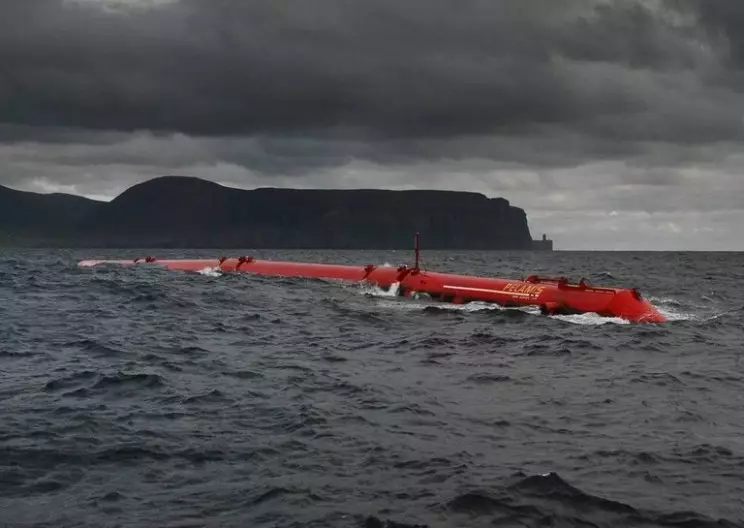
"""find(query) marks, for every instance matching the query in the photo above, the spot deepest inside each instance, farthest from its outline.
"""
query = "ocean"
(145, 397)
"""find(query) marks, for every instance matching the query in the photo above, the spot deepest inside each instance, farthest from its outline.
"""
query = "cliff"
(174, 211)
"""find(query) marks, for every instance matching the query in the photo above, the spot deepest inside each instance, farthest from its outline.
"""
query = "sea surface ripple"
(143, 397)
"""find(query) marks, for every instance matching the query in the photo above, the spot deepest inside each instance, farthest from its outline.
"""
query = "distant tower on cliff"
(543, 245)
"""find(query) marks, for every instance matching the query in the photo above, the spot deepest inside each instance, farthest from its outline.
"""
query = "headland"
(188, 212)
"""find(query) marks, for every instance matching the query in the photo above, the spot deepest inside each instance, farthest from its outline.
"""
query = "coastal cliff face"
(172, 211)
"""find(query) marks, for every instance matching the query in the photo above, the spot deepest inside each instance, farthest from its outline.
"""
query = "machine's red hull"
(553, 296)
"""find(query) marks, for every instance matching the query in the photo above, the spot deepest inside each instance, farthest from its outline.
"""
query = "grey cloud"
(423, 68)
(642, 231)
(722, 21)
(298, 157)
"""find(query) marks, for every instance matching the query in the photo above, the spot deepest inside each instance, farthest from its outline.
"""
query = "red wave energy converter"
(554, 296)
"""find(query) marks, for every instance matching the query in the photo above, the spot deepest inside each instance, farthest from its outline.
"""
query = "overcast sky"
(614, 124)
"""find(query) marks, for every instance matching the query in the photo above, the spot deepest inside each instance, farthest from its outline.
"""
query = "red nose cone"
(630, 305)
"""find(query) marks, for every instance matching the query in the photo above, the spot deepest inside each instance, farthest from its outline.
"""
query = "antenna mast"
(416, 251)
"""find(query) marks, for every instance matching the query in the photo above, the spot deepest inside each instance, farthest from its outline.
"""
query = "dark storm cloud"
(722, 20)
(384, 69)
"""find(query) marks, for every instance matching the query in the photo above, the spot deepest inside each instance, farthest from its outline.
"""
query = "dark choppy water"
(141, 397)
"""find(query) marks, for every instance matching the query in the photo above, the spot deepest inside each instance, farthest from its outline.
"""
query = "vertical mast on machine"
(416, 251)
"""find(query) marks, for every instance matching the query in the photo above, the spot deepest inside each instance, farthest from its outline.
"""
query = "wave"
(548, 500)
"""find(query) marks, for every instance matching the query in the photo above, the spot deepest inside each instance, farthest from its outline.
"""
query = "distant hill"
(186, 212)
(32, 217)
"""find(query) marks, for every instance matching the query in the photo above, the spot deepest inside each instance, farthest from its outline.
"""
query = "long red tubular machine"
(554, 296)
